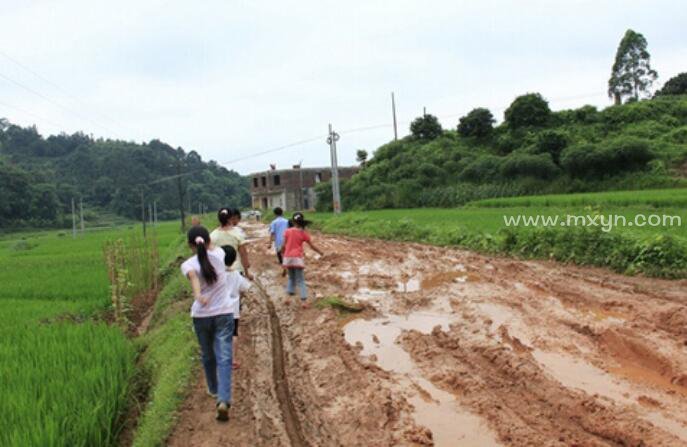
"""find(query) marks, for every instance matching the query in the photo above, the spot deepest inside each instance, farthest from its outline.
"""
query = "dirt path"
(453, 348)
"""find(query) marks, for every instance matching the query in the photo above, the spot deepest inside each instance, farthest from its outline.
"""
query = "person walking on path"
(294, 256)
(212, 313)
(236, 284)
(227, 234)
(277, 228)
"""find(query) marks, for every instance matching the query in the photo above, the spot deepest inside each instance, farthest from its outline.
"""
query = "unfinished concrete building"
(292, 189)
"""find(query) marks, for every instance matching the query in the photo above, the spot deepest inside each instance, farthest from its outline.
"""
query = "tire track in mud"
(292, 424)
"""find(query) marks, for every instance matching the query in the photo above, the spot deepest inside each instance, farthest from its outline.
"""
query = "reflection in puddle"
(434, 408)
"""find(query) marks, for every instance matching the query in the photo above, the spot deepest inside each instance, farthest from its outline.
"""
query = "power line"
(26, 112)
(52, 101)
(54, 85)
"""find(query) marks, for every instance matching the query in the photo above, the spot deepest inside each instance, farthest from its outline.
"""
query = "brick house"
(291, 189)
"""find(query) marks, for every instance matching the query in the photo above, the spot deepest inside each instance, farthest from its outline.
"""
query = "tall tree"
(631, 74)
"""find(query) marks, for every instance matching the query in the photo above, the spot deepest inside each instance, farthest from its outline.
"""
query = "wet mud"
(454, 349)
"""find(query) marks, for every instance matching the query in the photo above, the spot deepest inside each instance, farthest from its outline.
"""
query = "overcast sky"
(230, 79)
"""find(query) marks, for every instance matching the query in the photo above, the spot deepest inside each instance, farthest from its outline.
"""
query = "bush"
(551, 142)
(426, 128)
(677, 85)
(478, 123)
(483, 168)
(528, 110)
(586, 114)
(526, 165)
(621, 154)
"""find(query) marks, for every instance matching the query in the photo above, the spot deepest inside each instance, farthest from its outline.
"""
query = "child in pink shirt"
(294, 256)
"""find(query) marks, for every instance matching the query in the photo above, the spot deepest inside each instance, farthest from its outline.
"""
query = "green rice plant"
(657, 198)
(62, 383)
(64, 378)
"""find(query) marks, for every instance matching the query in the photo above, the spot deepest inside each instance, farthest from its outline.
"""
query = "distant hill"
(40, 176)
(533, 151)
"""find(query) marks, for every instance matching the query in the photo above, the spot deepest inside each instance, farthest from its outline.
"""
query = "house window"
(318, 177)
(276, 180)
(264, 181)
(255, 182)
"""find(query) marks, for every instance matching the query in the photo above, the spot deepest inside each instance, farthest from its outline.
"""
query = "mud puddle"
(576, 373)
(435, 409)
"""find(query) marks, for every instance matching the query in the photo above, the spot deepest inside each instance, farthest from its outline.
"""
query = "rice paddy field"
(481, 226)
(66, 375)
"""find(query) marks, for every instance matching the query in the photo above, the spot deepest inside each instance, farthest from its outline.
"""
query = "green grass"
(656, 251)
(656, 198)
(65, 380)
(169, 356)
(339, 304)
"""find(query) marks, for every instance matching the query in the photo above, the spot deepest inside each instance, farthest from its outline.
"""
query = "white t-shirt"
(236, 283)
(220, 302)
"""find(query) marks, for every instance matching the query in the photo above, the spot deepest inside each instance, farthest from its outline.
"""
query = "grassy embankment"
(653, 251)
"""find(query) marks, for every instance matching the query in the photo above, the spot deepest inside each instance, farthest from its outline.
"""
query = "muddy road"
(452, 349)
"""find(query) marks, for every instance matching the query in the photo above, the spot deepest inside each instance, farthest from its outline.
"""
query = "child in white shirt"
(236, 283)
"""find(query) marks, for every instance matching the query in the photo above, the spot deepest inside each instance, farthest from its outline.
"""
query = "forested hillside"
(40, 176)
(636, 145)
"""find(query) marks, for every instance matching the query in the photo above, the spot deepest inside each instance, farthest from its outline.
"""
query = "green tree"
(530, 109)
(631, 74)
(361, 156)
(478, 123)
(677, 85)
(426, 127)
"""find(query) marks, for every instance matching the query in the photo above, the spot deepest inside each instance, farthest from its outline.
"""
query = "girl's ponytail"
(200, 238)
(223, 215)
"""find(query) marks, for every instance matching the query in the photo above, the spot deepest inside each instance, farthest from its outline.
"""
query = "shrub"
(528, 110)
(483, 168)
(551, 142)
(677, 85)
(478, 123)
(426, 127)
(586, 114)
(526, 165)
(621, 154)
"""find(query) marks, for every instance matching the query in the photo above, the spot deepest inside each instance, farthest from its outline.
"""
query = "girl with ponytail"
(212, 313)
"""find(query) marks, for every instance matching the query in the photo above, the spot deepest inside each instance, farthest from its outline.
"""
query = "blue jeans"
(215, 337)
(297, 277)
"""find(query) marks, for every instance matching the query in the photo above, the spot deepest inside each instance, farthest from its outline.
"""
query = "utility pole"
(143, 213)
(332, 139)
(81, 213)
(393, 111)
(73, 219)
(300, 185)
(424, 111)
(155, 213)
(181, 197)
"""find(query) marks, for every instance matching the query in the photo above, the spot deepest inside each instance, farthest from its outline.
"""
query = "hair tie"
(224, 212)
(200, 240)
